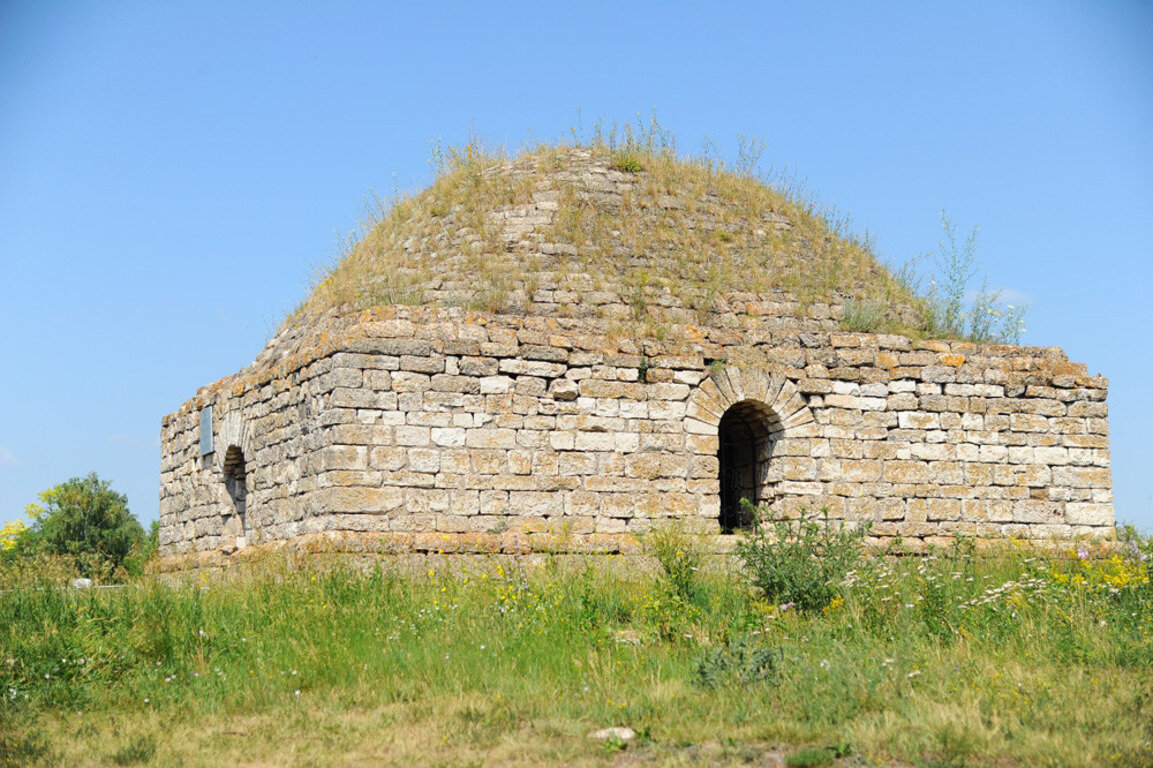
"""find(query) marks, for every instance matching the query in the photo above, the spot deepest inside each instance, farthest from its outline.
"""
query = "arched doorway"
(236, 481)
(747, 433)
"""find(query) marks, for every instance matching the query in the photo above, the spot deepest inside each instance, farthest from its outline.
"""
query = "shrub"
(739, 661)
(801, 561)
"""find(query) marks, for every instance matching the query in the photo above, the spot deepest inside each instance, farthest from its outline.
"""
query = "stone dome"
(585, 232)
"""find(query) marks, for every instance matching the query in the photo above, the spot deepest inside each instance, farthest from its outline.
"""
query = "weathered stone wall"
(431, 425)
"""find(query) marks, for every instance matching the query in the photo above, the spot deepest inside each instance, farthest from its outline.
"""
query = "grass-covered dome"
(635, 235)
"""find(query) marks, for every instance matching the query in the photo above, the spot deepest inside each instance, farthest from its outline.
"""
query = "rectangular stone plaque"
(206, 431)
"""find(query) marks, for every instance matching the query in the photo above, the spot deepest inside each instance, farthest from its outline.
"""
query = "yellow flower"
(9, 533)
(834, 606)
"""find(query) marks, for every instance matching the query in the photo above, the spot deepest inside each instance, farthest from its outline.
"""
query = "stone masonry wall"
(432, 425)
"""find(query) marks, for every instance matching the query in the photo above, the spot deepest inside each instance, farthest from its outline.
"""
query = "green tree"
(85, 520)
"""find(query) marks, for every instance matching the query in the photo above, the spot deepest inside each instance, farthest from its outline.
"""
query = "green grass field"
(1006, 656)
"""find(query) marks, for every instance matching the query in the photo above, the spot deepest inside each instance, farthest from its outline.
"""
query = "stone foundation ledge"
(419, 549)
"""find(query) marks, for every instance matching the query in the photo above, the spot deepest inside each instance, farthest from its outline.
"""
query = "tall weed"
(955, 307)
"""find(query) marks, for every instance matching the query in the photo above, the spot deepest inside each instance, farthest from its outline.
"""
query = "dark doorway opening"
(236, 481)
(747, 433)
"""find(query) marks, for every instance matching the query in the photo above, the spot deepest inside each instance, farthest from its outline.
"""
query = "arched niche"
(761, 411)
(746, 435)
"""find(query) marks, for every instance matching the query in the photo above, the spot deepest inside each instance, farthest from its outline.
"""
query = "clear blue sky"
(171, 173)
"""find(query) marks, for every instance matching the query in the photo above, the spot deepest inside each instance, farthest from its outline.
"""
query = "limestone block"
(531, 368)
(340, 377)
(447, 436)
(634, 410)
(412, 436)
(595, 441)
(490, 385)
(1085, 409)
(362, 500)
(902, 401)
(361, 434)
(445, 382)
(690, 378)
(796, 467)
(520, 462)
(1051, 455)
(491, 438)
(535, 504)
(669, 391)
(344, 457)
(1024, 422)
(428, 419)
(918, 420)
(422, 364)
(478, 366)
(564, 389)
(626, 442)
(931, 451)
(562, 441)
(407, 381)
(546, 353)
(938, 374)
(455, 461)
(545, 463)
(1082, 477)
(667, 410)
(907, 472)
(941, 509)
(599, 388)
(424, 460)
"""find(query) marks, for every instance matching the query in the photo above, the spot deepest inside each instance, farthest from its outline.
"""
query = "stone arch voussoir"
(232, 432)
(731, 385)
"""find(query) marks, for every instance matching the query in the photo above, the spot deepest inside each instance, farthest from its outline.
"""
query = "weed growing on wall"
(863, 316)
(959, 302)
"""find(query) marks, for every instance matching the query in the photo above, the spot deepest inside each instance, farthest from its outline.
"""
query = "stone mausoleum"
(561, 350)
